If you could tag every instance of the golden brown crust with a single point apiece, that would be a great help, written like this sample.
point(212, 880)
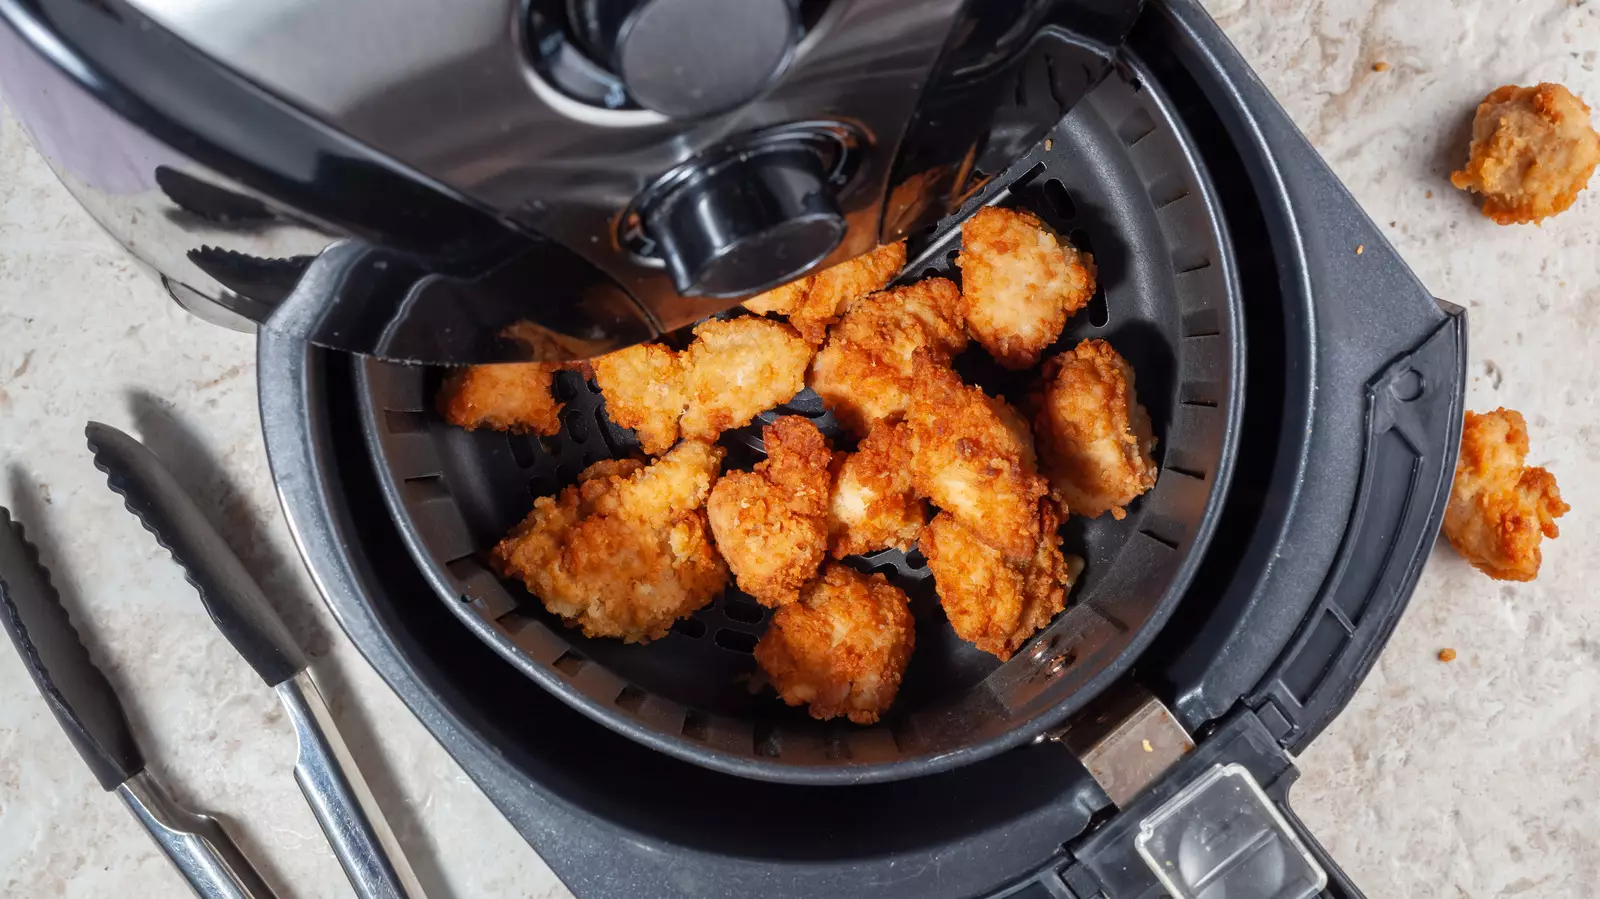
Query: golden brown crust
point(1500, 510)
point(734, 370)
point(815, 302)
point(864, 373)
point(970, 456)
point(607, 469)
point(1020, 282)
point(874, 505)
point(781, 300)
point(842, 648)
point(771, 523)
point(643, 390)
point(513, 396)
point(1533, 150)
point(994, 604)
point(737, 369)
point(627, 550)
point(1094, 437)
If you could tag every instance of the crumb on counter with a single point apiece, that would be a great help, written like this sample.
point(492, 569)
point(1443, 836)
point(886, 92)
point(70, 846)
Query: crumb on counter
point(1360, 248)
point(1380, 66)
point(1447, 655)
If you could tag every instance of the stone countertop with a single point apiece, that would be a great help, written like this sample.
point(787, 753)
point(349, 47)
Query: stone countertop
point(1475, 778)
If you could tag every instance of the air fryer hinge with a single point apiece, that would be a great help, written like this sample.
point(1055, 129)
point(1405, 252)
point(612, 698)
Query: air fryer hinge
point(1127, 739)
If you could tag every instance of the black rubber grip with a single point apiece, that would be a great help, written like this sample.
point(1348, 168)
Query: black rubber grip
point(231, 596)
point(76, 691)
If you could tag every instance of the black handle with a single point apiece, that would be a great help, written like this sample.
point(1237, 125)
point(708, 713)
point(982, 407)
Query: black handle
point(1244, 739)
point(1339, 885)
point(77, 692)
point(231, 596)
point(1106, 862)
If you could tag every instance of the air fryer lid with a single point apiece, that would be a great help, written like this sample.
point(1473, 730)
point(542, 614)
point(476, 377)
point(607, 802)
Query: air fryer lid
point(1119, 177)
point(273, 171)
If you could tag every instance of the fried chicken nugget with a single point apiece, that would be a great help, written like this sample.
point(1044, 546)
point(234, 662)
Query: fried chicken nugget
point(874, 505)
point(971, 455)
point(1500, 510)
point(511, 396)
point(992, 603)
point(1020, 283)
point(864, 372)
point(1533, 149)
point(784, 299)
point(771, 524)
point(738, 368)
point(842, 648)
point(816, 301)
point(627, 550)
point(1094, 436)
point(643, 390)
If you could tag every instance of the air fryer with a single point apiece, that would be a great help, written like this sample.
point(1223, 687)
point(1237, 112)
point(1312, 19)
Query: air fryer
point(1306, 388)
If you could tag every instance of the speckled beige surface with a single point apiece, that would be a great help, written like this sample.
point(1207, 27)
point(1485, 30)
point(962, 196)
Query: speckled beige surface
point(1477, 778)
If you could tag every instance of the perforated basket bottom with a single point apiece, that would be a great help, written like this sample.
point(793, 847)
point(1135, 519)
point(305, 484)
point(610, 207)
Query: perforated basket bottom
point(1118, 180)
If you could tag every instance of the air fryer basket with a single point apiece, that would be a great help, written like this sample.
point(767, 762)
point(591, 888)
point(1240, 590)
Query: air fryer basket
point(1119, 176)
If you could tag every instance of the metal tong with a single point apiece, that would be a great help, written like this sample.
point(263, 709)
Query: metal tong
point(89, 711)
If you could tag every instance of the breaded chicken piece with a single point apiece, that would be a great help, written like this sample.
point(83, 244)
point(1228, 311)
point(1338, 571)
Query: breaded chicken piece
point(627, 550)
point(738, 368)
point(1020, 283)
point(1094, 437)
point(784, 299)
point(842, 648)
point(1500, 510)
point(512, 396)
point(971, 457)
point(603, 472)
point(874, 505)
point(733, 371)
point(994, 604)
point(1533, 149)
point(816, 301)
point(771, 524)
point(661, 491)
point(643, 390)
point(864, 372)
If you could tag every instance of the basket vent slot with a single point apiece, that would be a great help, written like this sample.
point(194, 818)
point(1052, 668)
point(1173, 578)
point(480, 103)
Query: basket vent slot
point(696, 725)
point(736, 641)
point(631, 699)
point(405, 421)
